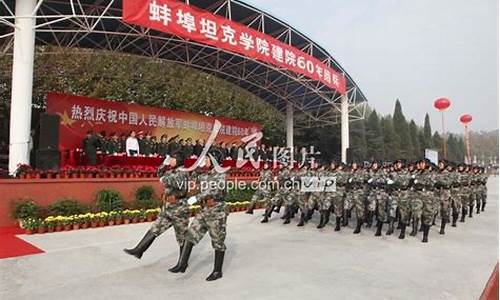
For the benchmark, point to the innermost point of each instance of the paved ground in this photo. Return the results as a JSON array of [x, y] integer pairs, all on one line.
[[264, 261]]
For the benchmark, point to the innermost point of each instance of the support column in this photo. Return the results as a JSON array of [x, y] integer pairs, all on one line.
[[289, 126], [22, 84], [344, 119]]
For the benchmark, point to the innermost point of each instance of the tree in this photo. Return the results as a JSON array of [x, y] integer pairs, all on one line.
[[358, 140], [391, 140], [437, 141], [417, 150], [427, 134], [374, 137], [402, 130]]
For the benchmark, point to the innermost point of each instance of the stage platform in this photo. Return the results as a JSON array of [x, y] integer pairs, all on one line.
[[263, 261]]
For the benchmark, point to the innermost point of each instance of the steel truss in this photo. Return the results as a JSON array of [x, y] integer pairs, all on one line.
[[98, 25]]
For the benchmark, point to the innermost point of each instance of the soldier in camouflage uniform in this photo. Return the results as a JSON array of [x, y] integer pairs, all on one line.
[[483, 190], [464, 180], [264, 192], [443, 184], [279, 196], [336, 199], [355, 197], [477, 188], [305, 201], [212, 219], [324, 197], [425, 183], [174, 212], [456, 203], [378, 196], [402, 179]]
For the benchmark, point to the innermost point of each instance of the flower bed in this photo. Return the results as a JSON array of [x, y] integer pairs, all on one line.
[[102, 219]]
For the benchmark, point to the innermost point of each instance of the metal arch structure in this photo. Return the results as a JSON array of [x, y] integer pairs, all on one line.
[[98, 25]]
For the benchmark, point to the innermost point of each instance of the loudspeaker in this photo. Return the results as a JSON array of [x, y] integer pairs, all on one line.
[[350, 156], [49, 132], [48, 159]]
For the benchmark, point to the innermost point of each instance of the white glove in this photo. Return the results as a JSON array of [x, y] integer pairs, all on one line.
[[166, 161], [389, 181], [413, 176], [192, 200], [350, 180], [415, 181], [370, 180]]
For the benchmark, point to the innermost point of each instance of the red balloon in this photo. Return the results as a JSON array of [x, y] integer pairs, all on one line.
[[442, 104], [466, 119]]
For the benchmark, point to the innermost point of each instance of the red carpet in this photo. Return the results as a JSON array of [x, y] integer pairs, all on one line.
[[12, 246]]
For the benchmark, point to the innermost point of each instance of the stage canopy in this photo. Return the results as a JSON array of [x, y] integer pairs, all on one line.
[[308, 97], [99, 25]]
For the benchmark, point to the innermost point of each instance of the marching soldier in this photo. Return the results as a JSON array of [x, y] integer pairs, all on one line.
[[211, 219], [264, 191], [443, 184], [174, 212], [402, 178], [339, 195], [283, 177]]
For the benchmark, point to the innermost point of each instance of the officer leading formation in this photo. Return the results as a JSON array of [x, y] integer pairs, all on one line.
[[416, 195]]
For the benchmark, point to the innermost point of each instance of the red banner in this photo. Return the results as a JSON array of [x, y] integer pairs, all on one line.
[[191, 23], [80, 114]]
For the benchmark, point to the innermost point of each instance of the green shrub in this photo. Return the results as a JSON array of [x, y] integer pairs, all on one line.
[[108, 200], [237, 195], [26, 208], [145, 197], [65, 207]]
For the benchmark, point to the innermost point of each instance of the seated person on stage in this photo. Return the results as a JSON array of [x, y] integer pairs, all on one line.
[[140, 140], [132, 144], [154, 146], [162, 146], [113, 146], [90, 144], [146, 147], [123, 143]]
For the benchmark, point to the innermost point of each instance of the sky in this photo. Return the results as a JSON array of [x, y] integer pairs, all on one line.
[[414, 51]]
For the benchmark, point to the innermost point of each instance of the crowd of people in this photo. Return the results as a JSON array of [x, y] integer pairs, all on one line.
[[408, 194], [145, 144]]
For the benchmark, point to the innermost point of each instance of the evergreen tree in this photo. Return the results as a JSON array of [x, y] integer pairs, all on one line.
[[374, 137], [417, 150], [427, 141], [402, 130], [453, 151], [358, 140], [391, 140], [438, 143]]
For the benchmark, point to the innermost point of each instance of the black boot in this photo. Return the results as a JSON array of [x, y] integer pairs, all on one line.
[[322, 219], [421, 227], [483, 204], [287, 215], [379, 228], [217, 272], [309, 214], [403, 230], [390, 230], [186, 253], [478, 207], [179, 261], [250, 209], [325, 216], [369, 219], [345, 219], [471, 210], [337, 224], [414, 226], [455, 218], [434, 219], [142, 246], [358, 226], [301, 221], [443, 225], [464, 213], [267, 214], [425, 239]]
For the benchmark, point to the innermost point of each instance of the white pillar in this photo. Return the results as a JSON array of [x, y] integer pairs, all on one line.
[[22, 84], [344, 119], [289, 126]]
